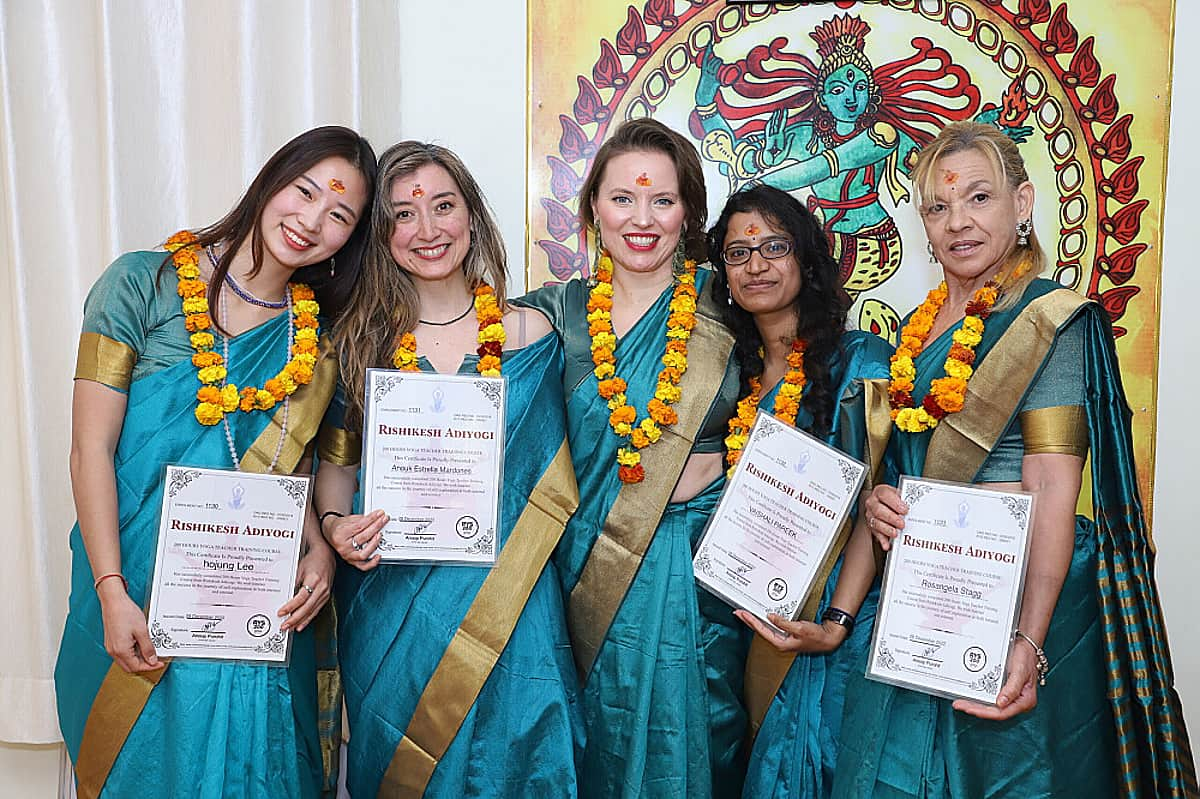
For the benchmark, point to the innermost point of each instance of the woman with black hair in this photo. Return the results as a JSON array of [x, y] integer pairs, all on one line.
[[787, 310], [209, 355]]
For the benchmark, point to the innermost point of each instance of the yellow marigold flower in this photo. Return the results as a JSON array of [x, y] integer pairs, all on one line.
[[736, 441], [627, 457], [651, 430], [229, 398], [264, 400], [668, 393], [285, 380], [623, 428], [603, 289], [305, 359], [606, 341], [604, 371], [208, 414], [202, 341], [211, 374], [956, 368], [683, 304], [495, 332], [678, 333], [598, 315], [675, 360], [966, 337], [187, 271], [973, 324]]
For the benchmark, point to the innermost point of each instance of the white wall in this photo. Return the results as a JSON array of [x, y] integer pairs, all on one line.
[[466, 89]]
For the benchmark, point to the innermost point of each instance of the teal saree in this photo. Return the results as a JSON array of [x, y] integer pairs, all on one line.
[[521, 734], [662, 698], [1108, 721], [796, 750], [220, 728]]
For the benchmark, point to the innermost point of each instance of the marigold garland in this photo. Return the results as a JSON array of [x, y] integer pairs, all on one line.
[[215, 397], [491, 337], [946, 394], [787, 404], [681, 320]]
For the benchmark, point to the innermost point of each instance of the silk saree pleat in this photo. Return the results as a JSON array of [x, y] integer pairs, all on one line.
[[458, 679], [176, 725]]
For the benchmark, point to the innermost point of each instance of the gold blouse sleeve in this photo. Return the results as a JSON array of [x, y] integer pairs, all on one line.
[[1061, 429], [339, 447], [105, 360]]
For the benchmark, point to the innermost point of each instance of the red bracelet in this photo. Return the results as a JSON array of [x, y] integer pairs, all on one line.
[[104, 577]]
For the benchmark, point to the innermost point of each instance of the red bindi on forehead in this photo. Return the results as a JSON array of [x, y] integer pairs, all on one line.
[[950, 178], [417, 191], [643, 180], [752, 229]]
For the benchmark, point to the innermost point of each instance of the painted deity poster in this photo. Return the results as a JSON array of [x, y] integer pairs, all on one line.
[[767, 91]]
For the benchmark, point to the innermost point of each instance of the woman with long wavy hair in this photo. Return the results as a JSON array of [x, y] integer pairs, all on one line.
[[458, 680]]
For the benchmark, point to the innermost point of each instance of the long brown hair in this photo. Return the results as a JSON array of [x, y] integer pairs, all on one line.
[[288, 163], [1002, 153], [652, 136], [384, 303]]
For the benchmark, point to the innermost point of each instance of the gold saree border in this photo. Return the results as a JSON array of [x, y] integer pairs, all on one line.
[[962, 441], [104, 360], [766, 666], [633, 518], [122, 695], [484, 632], [116, 708], [307, 409]]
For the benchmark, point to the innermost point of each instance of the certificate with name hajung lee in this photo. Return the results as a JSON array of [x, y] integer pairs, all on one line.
[[228, 549], [952, 590], [433, 457], [777, 521]]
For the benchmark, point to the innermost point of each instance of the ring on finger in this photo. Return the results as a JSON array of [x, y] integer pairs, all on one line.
[[357, 546], [308, 589], [871, 522]]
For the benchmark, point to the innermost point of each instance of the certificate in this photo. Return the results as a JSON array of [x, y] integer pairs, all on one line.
[[952, 590], [433, 452], [228, 548], [777, 521]]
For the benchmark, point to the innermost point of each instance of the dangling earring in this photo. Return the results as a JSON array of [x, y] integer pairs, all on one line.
[[591, 281], [677, 264], [929, 247], [729, 297], [332, 267], [1024, 228]]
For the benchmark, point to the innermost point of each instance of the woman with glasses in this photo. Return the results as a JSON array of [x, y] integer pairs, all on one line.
[[788, 311]]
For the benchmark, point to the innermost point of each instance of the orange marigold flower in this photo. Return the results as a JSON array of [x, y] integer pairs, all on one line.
[[275, 387], [662, 413], [300, 291], [608, 388], [209, 394], [625, 414], [489, 363], [602, 355], [639, 439], [631, 474], [179, 239], [203, 359], [306, 320]]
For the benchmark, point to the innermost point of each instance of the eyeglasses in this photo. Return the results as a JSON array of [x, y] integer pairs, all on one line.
[[771, 249]]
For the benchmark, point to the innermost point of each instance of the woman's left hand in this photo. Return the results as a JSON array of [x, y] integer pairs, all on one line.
[[314, 578], [1019, 693], [797, 636]]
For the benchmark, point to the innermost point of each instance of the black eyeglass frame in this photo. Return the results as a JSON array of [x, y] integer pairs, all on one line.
[[758, 249]]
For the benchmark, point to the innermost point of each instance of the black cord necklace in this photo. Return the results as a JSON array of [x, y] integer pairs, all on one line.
[[451, 321]]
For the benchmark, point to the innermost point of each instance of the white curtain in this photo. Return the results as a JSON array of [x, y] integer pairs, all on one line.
[[123, 121]]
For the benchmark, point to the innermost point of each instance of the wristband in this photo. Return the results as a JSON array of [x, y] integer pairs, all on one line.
[[839, 616], [103, 577], [1043, 664], [326, 515]]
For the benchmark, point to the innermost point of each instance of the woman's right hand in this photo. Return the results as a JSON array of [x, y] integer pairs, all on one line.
[[356, 538], [885, 513], [126, 637]]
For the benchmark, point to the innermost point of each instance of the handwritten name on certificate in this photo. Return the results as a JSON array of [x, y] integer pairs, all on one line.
[[228, 548], [952, 590], [777, 521], [433, 453]]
